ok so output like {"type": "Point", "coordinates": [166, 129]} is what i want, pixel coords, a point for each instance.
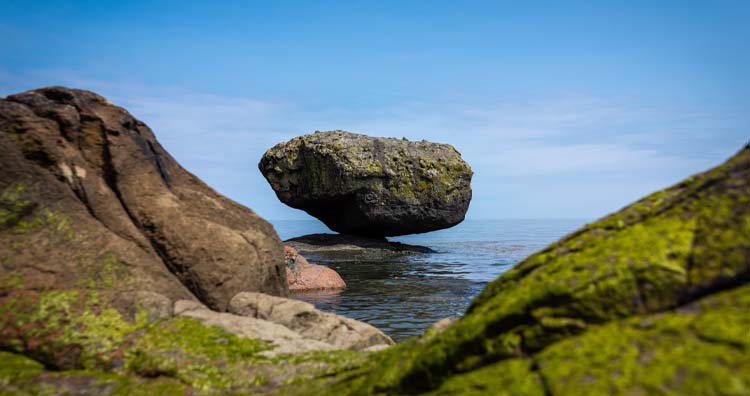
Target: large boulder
{"type": "Point", "coordinates": [370, 186]}
{"type": "Point", "coordinates": [90, 199]}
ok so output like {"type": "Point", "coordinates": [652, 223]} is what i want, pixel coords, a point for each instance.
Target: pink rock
{"type": "Point", "coordinates": [301, 275]}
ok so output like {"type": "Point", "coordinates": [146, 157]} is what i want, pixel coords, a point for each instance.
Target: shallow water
{"type": "Point", "coordinates": [405, 295]}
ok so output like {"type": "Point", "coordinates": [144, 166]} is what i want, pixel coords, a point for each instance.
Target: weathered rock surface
{"type": "Point", "coordinates": [73, 342]}
{"type": "Point", "coordinates": [339, 331]}
{"type": "Point", "coordinates": [363, 185]}
{"type": "Point", "coordinates": [282, 339]}
{"type": "Point", "coordinates": [89, 198]}
{"type": "Point", "coordinates": [653, 299]}
{"type": "Point", "coordinates": [339, 247]}
{"type": "Point", "coordinates": [78, 337]}
{"type": "Point", "coordinates": [303, 276]}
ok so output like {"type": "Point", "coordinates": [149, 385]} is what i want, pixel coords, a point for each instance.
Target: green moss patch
{"type": "Point", "coordinates": [664, 252]}
{"type": "Point", "coordinates": [703, 349]}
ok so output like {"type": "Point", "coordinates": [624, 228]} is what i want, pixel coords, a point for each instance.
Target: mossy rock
{"type": "Point", "coordinates": [362, 185]}
{"type": "Point", "coordinates": [72, 341]}
{"type": "Point", "coordinates": [653, 299]}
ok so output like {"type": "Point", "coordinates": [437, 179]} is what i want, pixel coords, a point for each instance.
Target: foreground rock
{"type": "Point", "coordinates": [653, 299]}
{"type": "Point", "coordinates": [335, 330]}
{"type": "Point", "coordinates": [289, 326]}
{"type": "Point", "coordinates": [71, 342]}
{"type": "Point", "coordinates": [89, 198]}
{"type": "Point", "coordinates": [338, 247]}
{"type": "Point", "coordinates": [303, 276]}
{"type": "Point", "coordinates": [362, 185]}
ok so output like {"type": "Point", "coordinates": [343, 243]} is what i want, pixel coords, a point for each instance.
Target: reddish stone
{"type": "Point", "coordinates": [302, 275]}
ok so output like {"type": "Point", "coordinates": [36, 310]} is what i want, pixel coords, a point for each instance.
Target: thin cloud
{"type": "Point", "coordinates": [548, 143]}
{"type": "Point", "coordinates": [581, 159]}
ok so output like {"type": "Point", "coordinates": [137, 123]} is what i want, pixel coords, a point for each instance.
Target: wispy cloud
{"type": "Point", "coordinates": [516, 145]}
{"type": "Point", "coordinates": [582, 159]}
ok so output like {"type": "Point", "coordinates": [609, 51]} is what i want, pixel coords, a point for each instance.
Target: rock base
{"type": "Point", "coordinates": [339, 247]}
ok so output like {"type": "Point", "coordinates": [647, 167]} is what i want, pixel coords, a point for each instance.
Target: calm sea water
{"type": "Point", "coordinates": [404, 296]}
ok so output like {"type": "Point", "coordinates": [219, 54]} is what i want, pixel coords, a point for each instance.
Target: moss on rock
{"type": "Point", "coordinates": [73, 339]}
{"type": "Point", "coordinates": [591, 297]}
{"type": "Point", "coordinates": [20, 375]}
{"type": "Point", "coordinates": [363, 185]}
{"type": "Point", "coordinates": [19, 214]}
{"type": "Point", "coordinates": [17, 368]}
{"type": "Point", "coordinates": [512, 377]}
{"type": "Point", "coordinates": [700, 349]}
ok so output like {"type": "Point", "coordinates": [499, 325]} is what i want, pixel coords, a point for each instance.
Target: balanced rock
{"type": "Point", "coordinates": [90, 199]}
{"type": "Point", "coordinates": [370, 186]}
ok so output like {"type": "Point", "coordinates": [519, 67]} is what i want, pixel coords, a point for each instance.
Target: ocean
{"type": "Point", "coordinates": [404, 296]}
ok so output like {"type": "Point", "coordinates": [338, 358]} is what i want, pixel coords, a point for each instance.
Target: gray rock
{"type": "Point", "coordinates": [363, 185]}
{"type": "Point", "coordinates": [183, 306]}
{"type": "Point", "coordinates": [282, 339]}
{"type": "Point", "coordinates": [442, 324]}
{"type": "Point", "coordinates": [157, 306]}
{"type": "Point", "coordinates": [289, 326]}
{"type": "Point", "coordinates": [376, 348]}
{"type": "Point", "coordinates": [310, 323]}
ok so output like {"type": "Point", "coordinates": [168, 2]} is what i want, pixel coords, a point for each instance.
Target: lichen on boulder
{"type": "Point", "coordinates": [362, 185]}
{"type": "Point", "coordinates": [74, 342]}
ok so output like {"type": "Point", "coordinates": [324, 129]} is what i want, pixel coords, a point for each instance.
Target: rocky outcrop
{"type": "Point", "coordinates": [362, 185]}
{"type": "Point", "coordinates": [303, 276]}
{"type": "Point", "coordinates": [90, 199]}
{"type": "Point", "coordinates": [653, 299]}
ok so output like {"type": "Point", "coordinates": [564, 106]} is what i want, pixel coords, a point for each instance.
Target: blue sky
{"type": "Point", "coordinates": [564, 109]}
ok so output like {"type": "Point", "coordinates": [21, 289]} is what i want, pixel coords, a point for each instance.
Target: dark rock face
{"type": "Point", "coordinates": [90, 197]}
{"type": "Point", "coordinates": [362, 185]}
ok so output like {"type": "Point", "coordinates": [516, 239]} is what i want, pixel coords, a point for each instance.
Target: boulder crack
{"type": "Point", "coordinates": [110, 177]}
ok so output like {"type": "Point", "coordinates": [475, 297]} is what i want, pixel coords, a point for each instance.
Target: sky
{"type": "Point", "coordinates": [563, 109]}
